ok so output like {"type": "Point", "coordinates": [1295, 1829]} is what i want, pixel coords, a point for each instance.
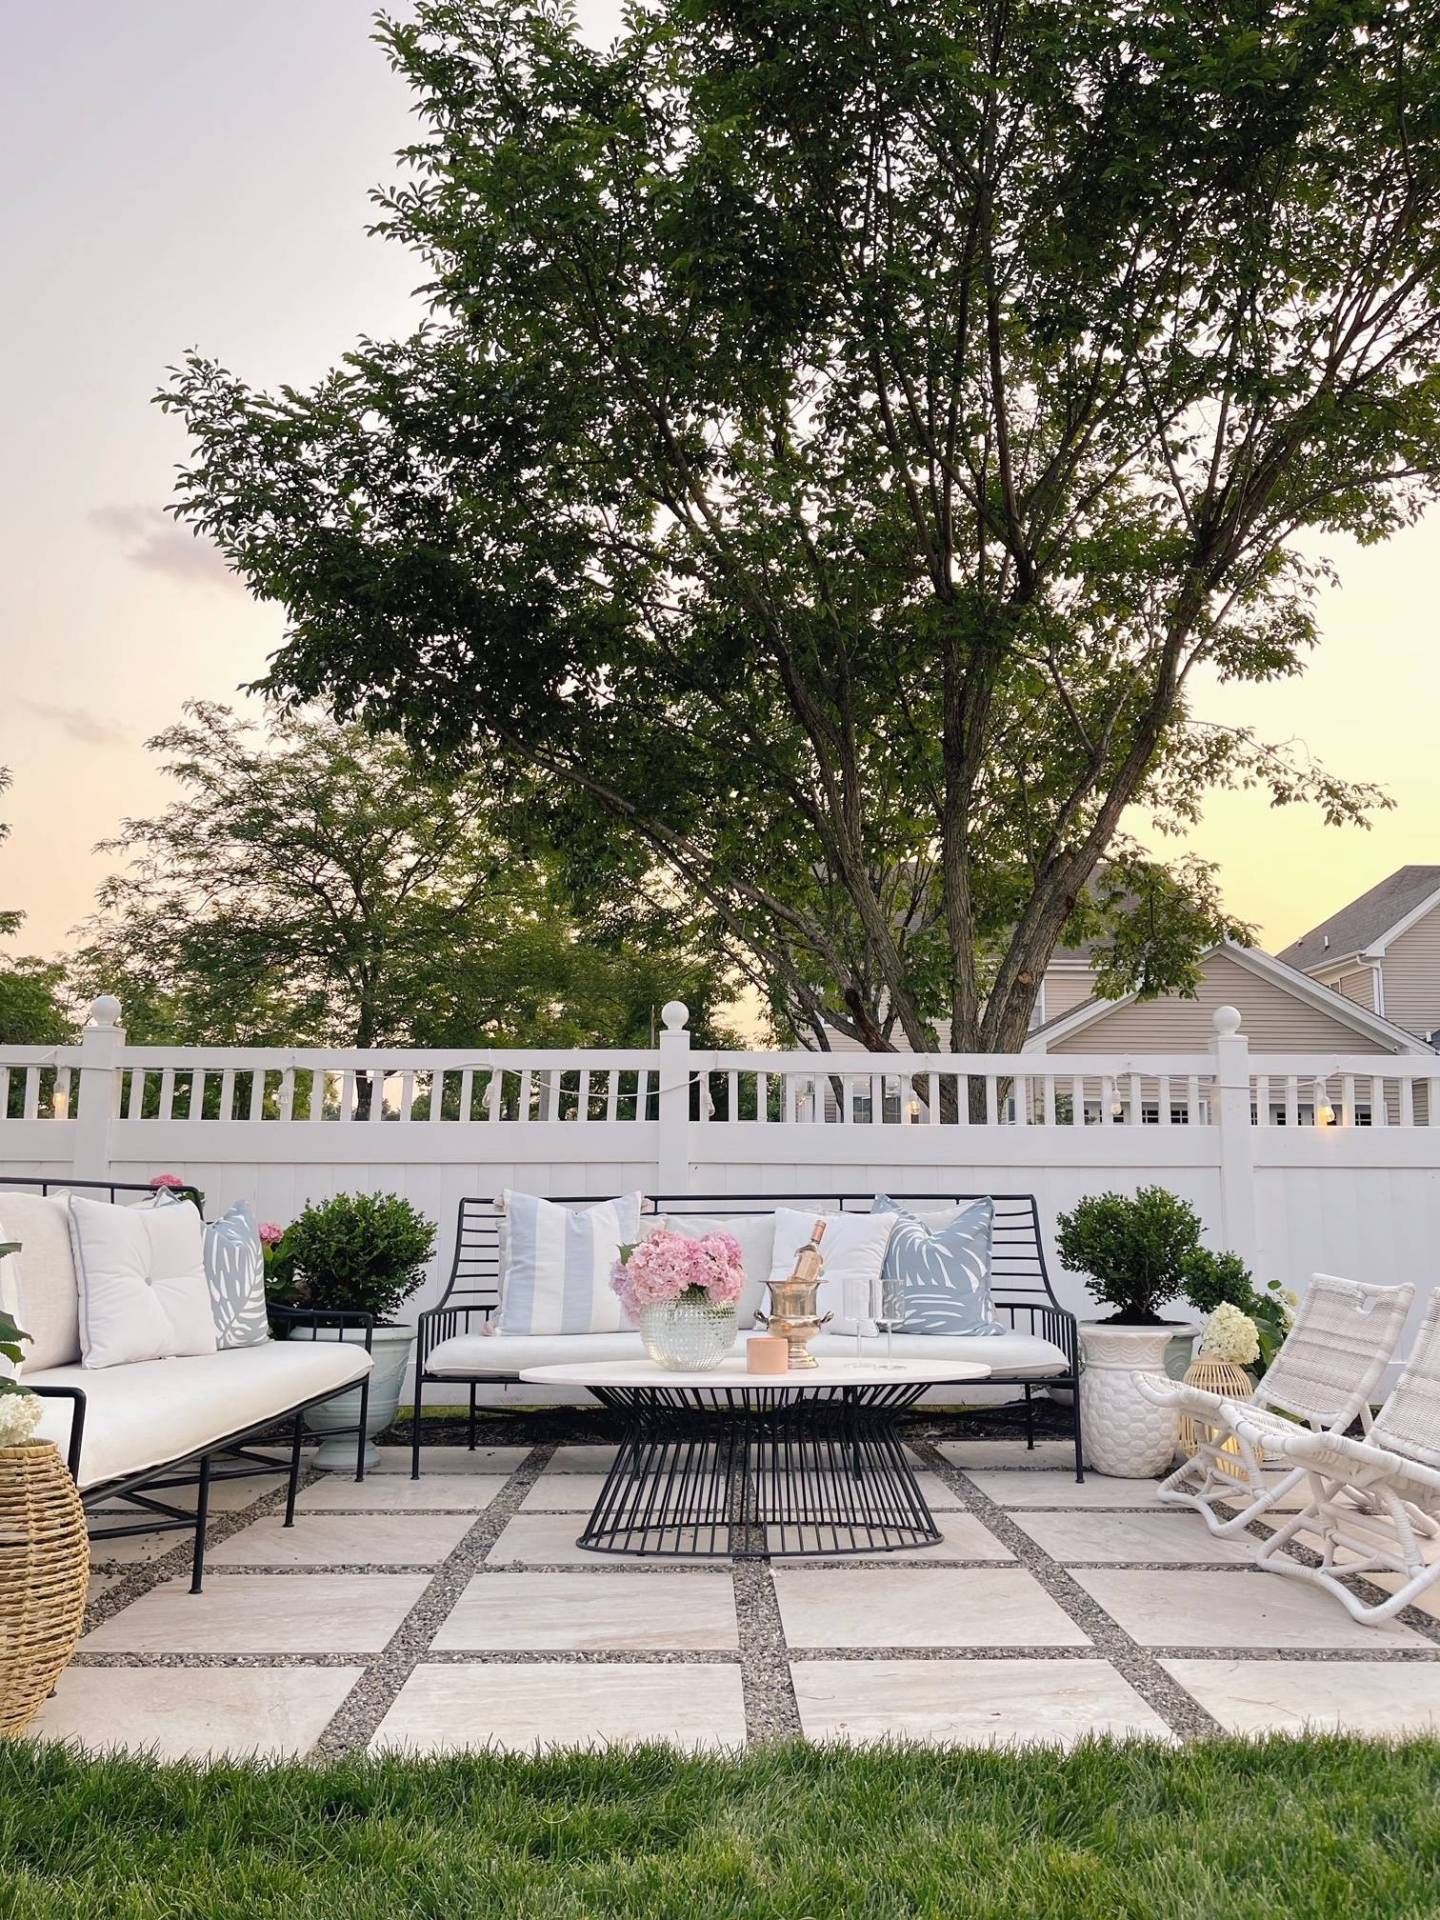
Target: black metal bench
{"type": "Point", "coordinates": [1020, 1285]}
{"type": "Point", "coordinates": [194, 1469]}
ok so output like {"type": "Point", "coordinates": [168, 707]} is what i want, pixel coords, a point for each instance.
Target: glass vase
{"type": "Point", "coordinates": [688, 1336]}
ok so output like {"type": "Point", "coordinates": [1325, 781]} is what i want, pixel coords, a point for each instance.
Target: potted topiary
{"type": "Point", "coordinates": [354, 1258]}
{"type": "Point", "coordinates": [1134, 1254]}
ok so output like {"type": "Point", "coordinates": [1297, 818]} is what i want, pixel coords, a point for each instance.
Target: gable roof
{"type": "Point", "coordinates": [1367, 923]}
{"type": "Point", "coordinates": [1289, 979]}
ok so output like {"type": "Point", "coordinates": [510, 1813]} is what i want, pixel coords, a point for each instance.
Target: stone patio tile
{"type": "Point", "coordinates": [548, 1540]}
{"type": "Point", "coordinates": [1298, 1696]}
{"type": "Point", "coordinates": [519, 1709]}
{"type": "Point", "coordinates": [1237, 1609]}
{"type": "Point", "coordinates": [1055, 1489]}
{"type": "Point", "coordinates": [226, 1496]}
{"type": "Point", "coordinates": [190, 1713]}
{"type": "Point", "coordinates": [963, 1538]}
{"type": "Point", "coordinates": [137, 1548]}
{"type": "Point", "coordinates": [969, 1703]}
{"type": "Point", "coordinates": [451, 1460]}
{"type": "Point", "coordinates": [971, 1454]}
{"type": "Point", "coordinates": [837, 1607]}
{"type": "Point", "coordinates": [1090, 1534]}
{"type": "Point", "coordinates": [590, 1458]}
{"type": "Point", "coordinates": [398, 1493]}
{"type": "Point", "coordinates": [592, 1613]}
{"type": "Point", "coordinates": [263, 1613]}
{"type": "Point", "coordinates": [344, 1540]}
{"type": "Point", "coordinates": [100, 1583]}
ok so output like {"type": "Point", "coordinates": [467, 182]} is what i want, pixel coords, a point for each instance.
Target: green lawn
{"type": "Point", "coordinates": [1331, 1827]}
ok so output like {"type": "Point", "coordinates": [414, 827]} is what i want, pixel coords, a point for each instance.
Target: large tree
{"type": "Point", "coordinates": [313, 885]}
{"type": "Point", "coordinates": [842, 438]}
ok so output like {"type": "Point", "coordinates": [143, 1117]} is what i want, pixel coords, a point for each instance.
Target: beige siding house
{"type": "Point", "coordinates": [1383, 951]}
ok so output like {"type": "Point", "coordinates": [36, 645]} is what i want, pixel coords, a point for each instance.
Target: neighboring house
{"type": "Point", "coordinates": [1383, 951]}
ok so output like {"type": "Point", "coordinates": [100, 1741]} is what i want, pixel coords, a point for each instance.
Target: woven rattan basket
{"type": "Point", "coordinates": [1216, 1376]}
{"type": "Point", "coordinates": [44, 1571]}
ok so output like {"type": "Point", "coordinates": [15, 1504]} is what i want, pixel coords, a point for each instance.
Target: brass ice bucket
{"type": "Point", "coordinates": [792, 1316]}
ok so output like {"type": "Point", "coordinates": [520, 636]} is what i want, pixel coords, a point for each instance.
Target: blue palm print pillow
{"type": "Point", "coordinates": [936, 1279]}
{"type": "Point", "coordinates": [235, 1269]}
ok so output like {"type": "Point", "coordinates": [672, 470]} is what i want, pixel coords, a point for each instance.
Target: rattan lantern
{"type": "Point", "coordinates": [1215, 1375]}
{"type": "Point", "coordinates": [44, 1574]}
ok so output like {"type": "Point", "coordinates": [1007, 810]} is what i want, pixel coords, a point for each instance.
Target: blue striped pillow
{"type": "Point", "coordinates": [937, 1279]}
{"type": "Point", "coordinates": [558, 1261]}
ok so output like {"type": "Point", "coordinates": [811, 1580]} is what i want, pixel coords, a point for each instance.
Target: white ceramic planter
{"type": "Point", "coordinates": [1125, 1434]}
{"type": "Point", "coordinates": [390, 1347]}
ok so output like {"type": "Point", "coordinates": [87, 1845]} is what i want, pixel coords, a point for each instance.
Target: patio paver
{"type": "Point", "coordinates": [1374, 1697]}
{"type": "Point", "coordinates": [263, 1613]}
{"type": "Point", "coordinates": [970, 1703]}
{"type": "Point", "coordinates": [1240, 1609]}
{"type": "Point", "coordinates": [963, 1537]}
{"type": "Point", "coordinates": [196, 1713]}
{"type": "Point", "coordinates": [447, 1709]}
{"type": "Point", "coordinates": [398, 1493]}
{"type": "Point", "coordinates": [344, 1540]}
{"type": "Point", "coordinates": [1046, 1488]}
{"type": "Point", "coordinates": [1166, 1535]}
{"type": "Point", "coordinates": [592, 1612]}
{"type": "Point", "coordinates": [832, 1607]}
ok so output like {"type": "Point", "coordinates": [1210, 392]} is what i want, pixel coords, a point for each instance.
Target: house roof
{"type": "Point", "coordinates": [1367, 923]}
{"type": "Point", "coordinates": [1289, 979]}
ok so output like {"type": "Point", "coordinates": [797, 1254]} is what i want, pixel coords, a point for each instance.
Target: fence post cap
{"type": "Point", "coordinates": [1226, 1020]}
{"type": "Point", "coordinates": [675, 1015]}
{"type": "Point", "coordinates": [105, 1012]}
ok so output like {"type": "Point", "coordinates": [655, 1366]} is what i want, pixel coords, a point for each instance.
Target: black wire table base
{"type": "Point", "coordinates": [757, 1472]}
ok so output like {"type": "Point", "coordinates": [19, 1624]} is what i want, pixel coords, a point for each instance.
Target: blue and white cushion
{"type": "Point", "coordinates": [235, 1273]}
{"type": "Point", "coordinates": [556, 1272]}
{"type": "Point", "coordinates": [937, 1276]}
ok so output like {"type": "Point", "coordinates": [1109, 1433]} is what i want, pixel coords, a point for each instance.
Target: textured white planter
{"type": "Point", "coordinates": [1125, 1434]}
{"type": "Point", "coordinates": [390, 1347]}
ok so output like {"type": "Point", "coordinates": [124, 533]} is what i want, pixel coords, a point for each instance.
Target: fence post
{"type": "Point", "coordinates": [673, 1160]}
{"type": "Point", "coordinates": [1235, 1134]}
{"type": "Point", "coordinates": [100, 1046]}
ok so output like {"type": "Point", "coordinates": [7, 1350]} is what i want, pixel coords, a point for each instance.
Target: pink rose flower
{"type": "Point", "coordinates": [270, 1234]}
{"type": "Point", "coordinates": [166, 1180]}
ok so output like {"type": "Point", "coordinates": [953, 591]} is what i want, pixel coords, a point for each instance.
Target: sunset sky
{"type": "Point", "coordinates": [189, 173]}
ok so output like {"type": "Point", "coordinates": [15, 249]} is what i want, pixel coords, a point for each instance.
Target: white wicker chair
{"type": "Point", "coordinates": [1330, 1363]}
{"type": "Point", "coordinates": [1371, 1500]}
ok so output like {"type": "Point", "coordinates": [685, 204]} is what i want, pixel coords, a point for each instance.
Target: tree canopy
{"type": "Point", "coordinates": [33, 1011]}
{"type": "Point", "coordinates": [841, 439]}
{"type": "Point", "coordinates": [313, 885]}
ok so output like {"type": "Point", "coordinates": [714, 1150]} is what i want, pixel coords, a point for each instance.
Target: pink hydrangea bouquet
{"type": "Point", "coordinates": [666, 1266]}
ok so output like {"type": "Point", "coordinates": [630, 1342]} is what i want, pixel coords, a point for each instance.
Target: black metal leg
{"type": "Point", "coordinates": [297, 1435]}
{"type": "Point", "coordinates": [1029, 1422]}
{"type": "Point", "coordinates": [364, 1439]}
{"type": "Point", "coordinates": [415, 1426]}
{"type": "Point", "coordinates": [470, 1429]}
{"type": "Point", "coordinates": [202, 1514]}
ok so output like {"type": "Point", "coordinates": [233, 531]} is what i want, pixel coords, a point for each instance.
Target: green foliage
{"type": "Point", "coordinates": [34, 1010]}
{"type": "Point", "coordinates": [843, 439]}
{"type": "Point", "coordinates": [1133, 1250]}
{"type": "Point", "coordinates": [1306, 1828]}
{"type": "Point", "coordinates": [361, 1251]}
{"type": "Point", "coordinates": [10, 1334]}
{"type": "Point", "coordinates": [314, 886]}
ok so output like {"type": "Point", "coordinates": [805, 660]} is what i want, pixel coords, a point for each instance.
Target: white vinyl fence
{"type": "Point", "coordinates": [1295, 1162]}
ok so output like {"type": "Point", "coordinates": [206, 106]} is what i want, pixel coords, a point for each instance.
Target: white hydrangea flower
{"type": "Point", "coordinates": [1230, 1335]}
{"type": "Point", "coordinates": [19, 1417]}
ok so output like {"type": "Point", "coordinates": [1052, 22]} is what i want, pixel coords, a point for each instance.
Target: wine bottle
{"type": "Point", "coordinates": [809, 1260]}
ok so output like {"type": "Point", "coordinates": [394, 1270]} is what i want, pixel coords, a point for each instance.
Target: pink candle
{"type": "Point", "coordinates": [767, 1353]}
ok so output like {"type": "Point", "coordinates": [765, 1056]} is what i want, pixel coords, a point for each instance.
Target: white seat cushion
{"type": "Point", "coordinates": [1004, 1353]}
{"type": "Point", "coordinates": [153, 1411]}
{"type": "Point", "coordinates": [505, 1354]}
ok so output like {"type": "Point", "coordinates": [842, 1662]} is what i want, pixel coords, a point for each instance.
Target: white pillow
{"type": "Point", "coordinates": [141, 1274]}
{"type": "Point", "coordinates": [854, 1253]}
{"type": "Point", "coordinates": [556, 1273]}
{"type": "Point", "coordinates": [755, 1233]}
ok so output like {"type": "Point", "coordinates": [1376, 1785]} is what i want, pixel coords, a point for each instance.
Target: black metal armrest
{"type": "Point", "coordinates": [77, 1421]}
{"type": "Point", "coordinates": [317, 1318]}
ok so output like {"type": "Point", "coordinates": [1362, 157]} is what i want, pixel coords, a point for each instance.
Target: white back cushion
{"type": "Point", "coordinates": [854, 1254]}
{"type": "Point", "coordinates": [143, 1291]}
{"type": "Point", "coordinates": [37, 1285]}
{"type": "Point", "coordinates": [755, 1234]}
{"type": "Point", "coordinates": [556, 1275]}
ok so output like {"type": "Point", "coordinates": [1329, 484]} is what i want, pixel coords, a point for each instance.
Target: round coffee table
{"type": "Point", "coordinates": [735, 1465]}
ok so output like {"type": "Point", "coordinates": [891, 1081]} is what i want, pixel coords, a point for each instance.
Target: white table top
{"type": "Point", "coordinates": [731, 1373]}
